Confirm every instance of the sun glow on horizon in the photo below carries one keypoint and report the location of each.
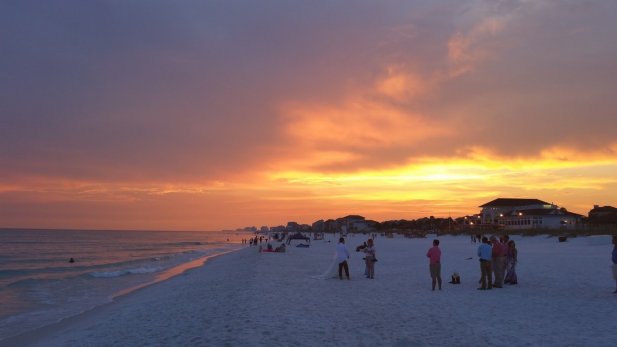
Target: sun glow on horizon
(471, 179)
(440, 109)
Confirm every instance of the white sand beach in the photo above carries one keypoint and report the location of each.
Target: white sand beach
(245, 298)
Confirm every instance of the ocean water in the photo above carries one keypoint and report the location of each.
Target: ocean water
(39, 286)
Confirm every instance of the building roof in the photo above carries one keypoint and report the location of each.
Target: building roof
(510, 202)
(605, 209)
(603, 215)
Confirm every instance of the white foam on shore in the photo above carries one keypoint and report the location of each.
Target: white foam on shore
(244, 298)
(56, 311)
(118, 273)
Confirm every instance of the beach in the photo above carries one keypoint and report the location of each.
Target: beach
(246, 298)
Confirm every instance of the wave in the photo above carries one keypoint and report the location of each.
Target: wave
(188, 243)
(75, 267)
(135, 266)
(30, 281)
(118, 273)
(9, 273)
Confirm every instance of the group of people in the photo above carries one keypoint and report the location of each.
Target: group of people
(253, 241)
(500, 252)
(269, 248)
(342, 254)
(498, 257)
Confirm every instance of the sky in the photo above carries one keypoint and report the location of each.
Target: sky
(210, 115)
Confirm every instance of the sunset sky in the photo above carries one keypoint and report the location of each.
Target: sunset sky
(209, 115)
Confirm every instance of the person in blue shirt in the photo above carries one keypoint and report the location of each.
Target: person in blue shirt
(485, 253)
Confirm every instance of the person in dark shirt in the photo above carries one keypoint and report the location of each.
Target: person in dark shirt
(615, 262)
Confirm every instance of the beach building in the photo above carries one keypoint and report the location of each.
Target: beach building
(277, 229)
(602, 215)
(318, 226)
(356, 223)
(511, 214)
(292, 227)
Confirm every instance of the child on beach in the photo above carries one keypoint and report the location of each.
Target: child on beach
(434, 255)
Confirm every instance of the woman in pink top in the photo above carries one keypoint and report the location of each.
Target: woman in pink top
(434, 255)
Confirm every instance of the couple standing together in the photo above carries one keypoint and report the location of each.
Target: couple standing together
(342, 254)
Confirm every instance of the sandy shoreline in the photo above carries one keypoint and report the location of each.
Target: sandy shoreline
(249, 299)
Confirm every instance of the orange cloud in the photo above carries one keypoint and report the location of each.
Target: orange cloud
(340, 134)
(466, 50)
(401, 85)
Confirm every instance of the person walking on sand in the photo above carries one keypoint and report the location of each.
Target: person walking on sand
(485, 253)
(370, 259)
(434, 256)
(512, 259)
(342, 254)
(615, 262)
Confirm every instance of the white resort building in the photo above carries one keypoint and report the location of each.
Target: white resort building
(527, 214)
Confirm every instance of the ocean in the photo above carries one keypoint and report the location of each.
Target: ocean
(40, 286)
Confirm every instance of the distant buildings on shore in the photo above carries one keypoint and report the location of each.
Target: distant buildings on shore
(501, 213)
(510, 213)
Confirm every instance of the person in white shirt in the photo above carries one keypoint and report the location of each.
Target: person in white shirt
(342, 254)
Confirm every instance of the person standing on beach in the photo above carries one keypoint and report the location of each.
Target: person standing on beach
(485, 254)
(342, 254)
(615, 262)
(369, 250)
(498, 261)
(506, 251)
(434, 255)
(512, 259)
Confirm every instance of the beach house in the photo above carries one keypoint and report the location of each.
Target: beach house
(509, 213)
(603, 215)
